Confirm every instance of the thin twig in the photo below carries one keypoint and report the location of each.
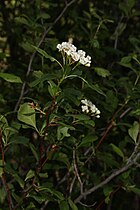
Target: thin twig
(111, 124)
(67, 4)
(108, 179)
(76, 170)
(88, 206)
(72, 184)
(45, 205)
(136, 147)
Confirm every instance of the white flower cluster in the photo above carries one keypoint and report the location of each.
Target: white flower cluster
(71, 51)
(89, 107)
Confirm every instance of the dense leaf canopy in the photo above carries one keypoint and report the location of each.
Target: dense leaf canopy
(69, 104)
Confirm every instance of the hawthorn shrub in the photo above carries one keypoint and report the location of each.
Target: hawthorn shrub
(70, 105)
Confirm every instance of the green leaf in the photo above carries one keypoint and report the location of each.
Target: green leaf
(107, 190)
(102, 72)
(58, 194)
(17, 198)
(34, 151)
(117, 150)
(26, 114)
(2, 195)
(89, 122)
(81, 117)
(18, 179)
(27, 46)
(3, 123)
(135, 112)
(127, 6)
(72, 95)
(22, 20)
(30, 175)
(62, 132)
(53, 88)
(42, 52)
(63, 205)
(97, 89)
(39, 199)
(134, 130)
(20, 140)
(40, 78)
(120, 28)
(107, 199)
(126, 59)
(10, 78)
(95, 43)
(43, 175)
(94, 87)
(53, 192)
(31, 206)
(43, 15)
(88, 139)
(72, 204)
(126, 174)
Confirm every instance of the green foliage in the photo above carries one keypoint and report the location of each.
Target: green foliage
(10, 78)
(56, 152)
(134, 130)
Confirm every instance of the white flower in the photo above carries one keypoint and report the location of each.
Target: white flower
(89, 107)
(59, 47)
(81, 53)
(76, 56)
(98, 111)
(66, 47)
(86, 61)
(85, 109)
(85, 101)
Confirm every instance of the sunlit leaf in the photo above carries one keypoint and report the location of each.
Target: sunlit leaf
(88, 139)
(26, 114)
(134, 130)
(72, 204)
(53, 88)
(63, 205)
(10, 78)
(117, 150)
(30, 175)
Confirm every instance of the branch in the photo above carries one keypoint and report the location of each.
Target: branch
(108, 179)
(112, 123)
(76, 171)
(67, 4)
(72, 184)
(136, 147)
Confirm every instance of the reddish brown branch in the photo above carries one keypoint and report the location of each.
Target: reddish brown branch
(111, 124)
(104, 135)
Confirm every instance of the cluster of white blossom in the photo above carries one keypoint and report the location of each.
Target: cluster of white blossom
(89, 107)
(71, 51)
